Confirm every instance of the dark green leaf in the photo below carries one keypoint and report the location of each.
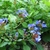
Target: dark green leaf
(32, 42)
(21, 32)
(40, 47)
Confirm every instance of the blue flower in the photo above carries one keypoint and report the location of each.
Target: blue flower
(1, 21)
(38, 39)
(31, 25)
(33, 32)
(38, 33)
(44, 25)
(36, 28)
(19, 11)
(5, 19)
(16, 34)
(25, 14)
(38, 22)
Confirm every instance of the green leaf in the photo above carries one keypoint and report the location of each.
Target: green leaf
(26, 47)
(22, 2)
(20, 40)
(31, 13)
(3, 44)
(24, 24)
(32, 42)
(7, 27)
(30, 21)
(21, 32)
(9, 43)
(46, 37)
(6, 39)
(38, 16)
(3, 48)
(12, 18)
(40, 47)
(5, 15)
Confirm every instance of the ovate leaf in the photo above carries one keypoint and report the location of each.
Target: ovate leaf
(21, 32)
(3, 44)
(39, 47)
(24, 24)
(26, 47)
(32, 42)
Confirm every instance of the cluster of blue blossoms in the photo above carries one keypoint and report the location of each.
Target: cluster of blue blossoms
(35, 29)
(22, 12)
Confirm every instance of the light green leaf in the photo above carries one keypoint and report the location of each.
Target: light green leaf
(7, 27)
(12, 18)
(6, 39)
(20, 40)
(22, 2)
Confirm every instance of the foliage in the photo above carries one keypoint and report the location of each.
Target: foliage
(13, 23)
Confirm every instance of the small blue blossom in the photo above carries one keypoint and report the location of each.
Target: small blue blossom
(1, 21)
(16, 34)
(25, 14)
(31, 25)
(38, 39)
(44, 25)
(36, 29)
(38, 22)
(33, 32)
(38, 33)
(18, 11)
(5, 19)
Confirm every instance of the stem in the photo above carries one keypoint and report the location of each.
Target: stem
(7, 47)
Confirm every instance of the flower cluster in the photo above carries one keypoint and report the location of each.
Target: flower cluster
(35, 29)
(22, 12)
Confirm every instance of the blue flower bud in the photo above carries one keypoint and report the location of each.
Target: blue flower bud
(16, 34)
